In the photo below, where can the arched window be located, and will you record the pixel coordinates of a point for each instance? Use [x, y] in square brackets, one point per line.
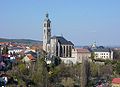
[48, 30]
[44, 31]
[44, 24]
[48, 25]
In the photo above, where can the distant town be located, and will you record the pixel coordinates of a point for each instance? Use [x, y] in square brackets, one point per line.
[57, 62]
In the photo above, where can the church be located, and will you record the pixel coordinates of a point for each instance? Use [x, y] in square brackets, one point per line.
[55, 45]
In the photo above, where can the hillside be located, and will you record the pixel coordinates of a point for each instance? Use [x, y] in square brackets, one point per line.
[26, 41]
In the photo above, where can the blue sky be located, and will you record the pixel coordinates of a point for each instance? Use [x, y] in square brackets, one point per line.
[81, 21]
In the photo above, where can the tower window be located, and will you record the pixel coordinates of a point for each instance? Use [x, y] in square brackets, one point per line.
[44, 31]
[48, 25]
[44, 25]
[48, 30]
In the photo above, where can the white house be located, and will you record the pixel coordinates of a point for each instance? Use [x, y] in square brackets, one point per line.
[103, 53]
[15, 49]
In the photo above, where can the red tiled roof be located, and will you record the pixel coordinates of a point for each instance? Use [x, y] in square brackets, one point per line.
[30, 57]
[82, 50]
[116, 81]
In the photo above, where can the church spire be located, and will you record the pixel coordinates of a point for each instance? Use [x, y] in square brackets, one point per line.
[47, 15]
[46, 31]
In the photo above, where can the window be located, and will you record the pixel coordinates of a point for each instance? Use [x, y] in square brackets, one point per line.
[48, 25]
[48, 30]
[44, 31]
[44, 24]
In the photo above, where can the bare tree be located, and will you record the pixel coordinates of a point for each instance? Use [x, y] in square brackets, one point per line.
[84, 72]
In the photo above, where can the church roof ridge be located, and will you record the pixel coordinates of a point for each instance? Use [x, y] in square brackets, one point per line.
[62, 40]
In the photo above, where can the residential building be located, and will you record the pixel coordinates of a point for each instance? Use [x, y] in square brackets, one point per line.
[103, 53]
[28, 58]
[80, 54]
[34, 54]
[15, 50]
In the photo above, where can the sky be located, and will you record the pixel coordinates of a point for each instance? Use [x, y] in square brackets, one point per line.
[81, 21]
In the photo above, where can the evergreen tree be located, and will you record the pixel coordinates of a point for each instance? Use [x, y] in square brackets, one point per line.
[5, 50]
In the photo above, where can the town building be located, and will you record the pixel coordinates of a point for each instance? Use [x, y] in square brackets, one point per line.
[29, 58]
[80, 54]
[103, 53]
[15, 50]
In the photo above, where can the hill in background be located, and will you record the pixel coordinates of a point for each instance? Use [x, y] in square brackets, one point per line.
[25, 41]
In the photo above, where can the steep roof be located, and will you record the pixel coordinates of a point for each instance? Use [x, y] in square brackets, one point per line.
[101, 50]
[28, 58]
[82, 50]
[62, 40]
[34, 54]
[15, 48]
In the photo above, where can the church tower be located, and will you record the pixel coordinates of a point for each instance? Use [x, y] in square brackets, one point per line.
[46, 32]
